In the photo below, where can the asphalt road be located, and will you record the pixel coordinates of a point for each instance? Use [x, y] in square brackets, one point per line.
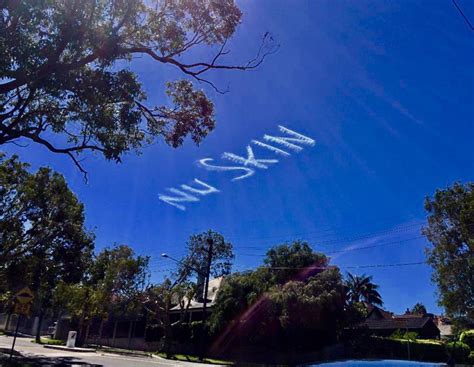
[46, 356]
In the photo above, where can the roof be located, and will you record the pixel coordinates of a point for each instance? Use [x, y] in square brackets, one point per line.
[212, 290]
[396, 323]
[372, 308]
[409, 316]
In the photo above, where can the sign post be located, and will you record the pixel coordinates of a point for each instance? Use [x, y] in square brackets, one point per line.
[23, 300]
[14, 337]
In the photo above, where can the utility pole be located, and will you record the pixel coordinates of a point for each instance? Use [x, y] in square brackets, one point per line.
[207, 274]
[206, 281]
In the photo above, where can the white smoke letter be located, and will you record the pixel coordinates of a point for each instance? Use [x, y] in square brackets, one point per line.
[250, 160]
[290, 142]
[208, 188]
[211, 167]
[182, 197]
[271, 147]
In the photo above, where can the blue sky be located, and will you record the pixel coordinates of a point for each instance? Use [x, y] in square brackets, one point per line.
[386, 91]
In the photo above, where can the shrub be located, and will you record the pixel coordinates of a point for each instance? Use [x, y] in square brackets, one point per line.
[459, 351]
[470, 359]
[408, 335]
[467, 337]
[378, 347]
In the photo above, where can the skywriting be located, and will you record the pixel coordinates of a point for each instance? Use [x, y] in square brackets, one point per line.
[245, 166]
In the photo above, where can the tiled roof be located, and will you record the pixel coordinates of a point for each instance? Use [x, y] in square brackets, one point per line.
[396, 323]
[409, 316]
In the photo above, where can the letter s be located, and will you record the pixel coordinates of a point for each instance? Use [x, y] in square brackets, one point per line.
[210, 167]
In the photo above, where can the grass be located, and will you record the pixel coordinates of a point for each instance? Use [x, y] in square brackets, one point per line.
[420, 341]
[48, 341]
[190, 358]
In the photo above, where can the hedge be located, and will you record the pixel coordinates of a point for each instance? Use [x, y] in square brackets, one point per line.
[378, 347]
[470, 359]
[467, 337]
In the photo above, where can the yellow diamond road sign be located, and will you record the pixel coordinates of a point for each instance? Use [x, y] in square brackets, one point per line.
[25, 296]
[22, 309]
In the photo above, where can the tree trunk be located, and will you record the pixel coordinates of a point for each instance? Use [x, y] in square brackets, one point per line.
[130, 333]
[7, 324]
[167, 344]
[38, 329]
[87, 331]
[114, 333]
[57, 330]
[101, 328]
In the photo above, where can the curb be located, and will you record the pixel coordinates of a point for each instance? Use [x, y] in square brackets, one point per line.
[61, 347]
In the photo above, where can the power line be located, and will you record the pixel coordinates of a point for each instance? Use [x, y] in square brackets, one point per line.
[466, 19]
[293, 235]
[335, 239]
[341, 267]
[355, 248]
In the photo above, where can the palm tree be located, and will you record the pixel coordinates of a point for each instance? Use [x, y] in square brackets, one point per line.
[360, 288]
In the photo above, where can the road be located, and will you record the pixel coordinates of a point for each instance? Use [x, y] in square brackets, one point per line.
[46, 356]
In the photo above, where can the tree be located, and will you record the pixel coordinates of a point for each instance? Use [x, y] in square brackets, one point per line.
[237, 294]
[451, 254]
[308, 312]
[43, 239]
[113, 285]
[294, 299]
[360, 288]
[159, 301]
[64, 70]
[419, 309]
[198, 254]
[294, 261]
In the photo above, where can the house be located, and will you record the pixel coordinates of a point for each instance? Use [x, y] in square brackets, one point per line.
[194, 308]
[444, 326]
[384, 323]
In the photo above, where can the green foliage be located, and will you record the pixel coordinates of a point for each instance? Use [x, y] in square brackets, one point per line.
[467, 337]
[43, 237]
[113, 285]
[470, 358]
[406, 335]
[72, 78]
[198, 248]
[354, 314]
[451, 232]
[377, 347]
[238, 293]
[418, 308]
[360, 288]
[120, 275]
[459, 351]
[295, 300]
[48, 341]
[289, 260]
[312, 304]
[159, 299]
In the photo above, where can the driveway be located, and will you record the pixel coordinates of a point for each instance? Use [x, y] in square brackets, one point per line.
[41, 355]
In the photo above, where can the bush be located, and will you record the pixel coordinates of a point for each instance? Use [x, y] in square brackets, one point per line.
[470, 359]
[467, 337]
[408, 335]
[459, 351]
[419, 350]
